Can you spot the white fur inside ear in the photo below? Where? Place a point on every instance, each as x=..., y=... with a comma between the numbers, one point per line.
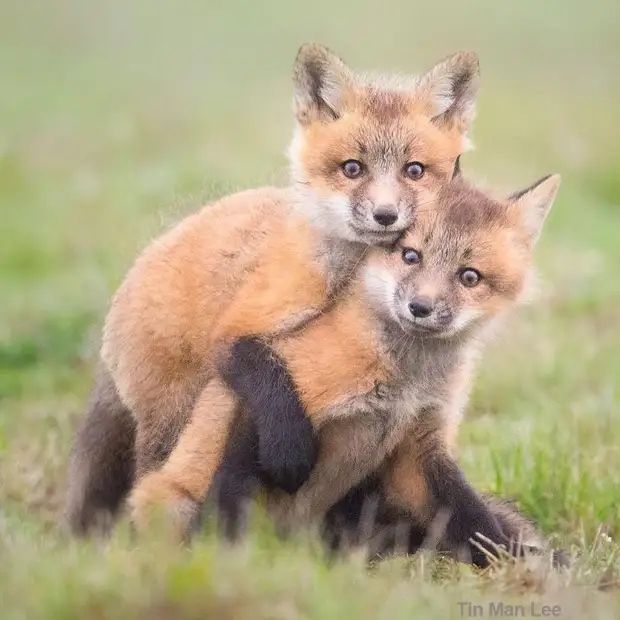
x=442, y=95
x=536, y=202
x=321, y=82
x=332, y=90
x=451, y=87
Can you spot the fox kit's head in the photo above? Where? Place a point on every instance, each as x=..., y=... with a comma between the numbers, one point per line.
x=367, y=152
x=466, y=259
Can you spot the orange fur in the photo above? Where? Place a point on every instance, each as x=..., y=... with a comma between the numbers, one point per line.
x=498, y=239
x=344, y=364
x=181, y=481
x=270, y=260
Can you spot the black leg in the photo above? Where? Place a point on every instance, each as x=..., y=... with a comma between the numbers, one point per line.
x=287, y=444
x=464, y=511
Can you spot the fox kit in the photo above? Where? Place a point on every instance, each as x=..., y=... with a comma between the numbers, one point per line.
x=368, y=153
x=384, y=374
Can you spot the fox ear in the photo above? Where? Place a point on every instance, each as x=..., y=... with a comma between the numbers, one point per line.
x=322, y=83
x=450, y=88
x=535, y=202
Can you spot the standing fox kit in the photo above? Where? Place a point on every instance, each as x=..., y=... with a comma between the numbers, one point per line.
x=383, y=374
x=368, y=154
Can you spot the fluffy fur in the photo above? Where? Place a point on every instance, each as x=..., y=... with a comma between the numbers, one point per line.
x=266, y=261
x=385, y=389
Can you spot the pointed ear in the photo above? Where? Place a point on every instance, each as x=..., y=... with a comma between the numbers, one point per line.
x=322, y=84
x=450, y=88
x=535, y=202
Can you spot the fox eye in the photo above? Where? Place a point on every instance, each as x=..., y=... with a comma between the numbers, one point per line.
x=352, y=168
x=411, y=257
x=414, y=170
x=469, y=277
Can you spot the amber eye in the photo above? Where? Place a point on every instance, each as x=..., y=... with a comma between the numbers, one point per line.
x=411, y=257
x=352, y=168
x=469, y=277
x=414, y=170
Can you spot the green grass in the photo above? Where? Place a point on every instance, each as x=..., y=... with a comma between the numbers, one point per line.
x=119, y=118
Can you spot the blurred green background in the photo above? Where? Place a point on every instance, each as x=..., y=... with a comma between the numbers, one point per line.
x=117, y=118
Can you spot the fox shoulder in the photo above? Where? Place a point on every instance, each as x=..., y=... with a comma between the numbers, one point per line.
x=246, y=251
x=183, y=279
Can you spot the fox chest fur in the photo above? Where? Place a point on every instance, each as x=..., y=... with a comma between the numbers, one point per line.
x=364, y=383
x=350, y=363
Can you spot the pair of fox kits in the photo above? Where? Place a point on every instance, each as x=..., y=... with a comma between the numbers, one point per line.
x=318, y=340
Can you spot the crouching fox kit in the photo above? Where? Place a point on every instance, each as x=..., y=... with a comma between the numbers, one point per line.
x=384, y=373
x=368, y=153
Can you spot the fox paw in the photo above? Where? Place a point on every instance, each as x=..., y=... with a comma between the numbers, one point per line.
x=156, y=498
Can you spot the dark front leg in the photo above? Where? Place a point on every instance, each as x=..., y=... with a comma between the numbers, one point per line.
x=287, y=444
x=460, y=513
x=366, y=517
x=422, y=479
x=437, y=508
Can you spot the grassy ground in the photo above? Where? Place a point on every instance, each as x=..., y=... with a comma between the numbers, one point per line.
x=117, y=118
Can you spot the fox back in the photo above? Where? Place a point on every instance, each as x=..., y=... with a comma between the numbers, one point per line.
x=265, y=261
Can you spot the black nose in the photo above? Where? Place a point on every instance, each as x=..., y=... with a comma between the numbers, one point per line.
x=420, y=307
x=386, y=215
